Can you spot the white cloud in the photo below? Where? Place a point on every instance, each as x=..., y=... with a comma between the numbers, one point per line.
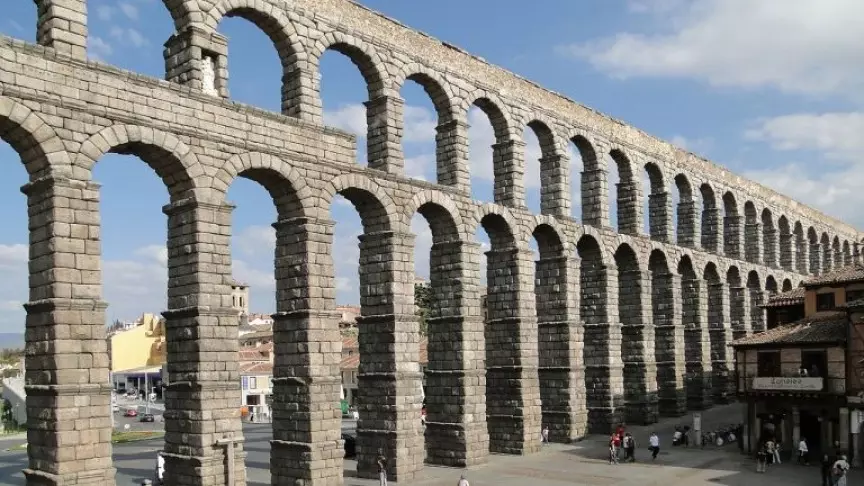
x=129, y=10
x=98, y=48
x=350, y=118
x=798, y=46
x=154, y=253
x=837, y=135
x=422, y=167
x=420, y=124
x=13, y=286
x=256, y=278
x=13, y=256
x=257, y=241
x=129, y=36
x=15, y=25
x=105, y=12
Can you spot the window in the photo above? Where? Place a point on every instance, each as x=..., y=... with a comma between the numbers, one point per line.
x=825, y=301
x=854, y=295
x=815, y=362
x=768, y=363
x=253, y=383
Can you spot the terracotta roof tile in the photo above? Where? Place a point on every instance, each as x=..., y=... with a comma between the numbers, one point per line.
x=256, y=368
x=819, y=328
x=790, y=297
x=352, y=362
x=849, y=273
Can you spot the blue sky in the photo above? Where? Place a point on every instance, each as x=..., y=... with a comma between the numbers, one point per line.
x=770, y=89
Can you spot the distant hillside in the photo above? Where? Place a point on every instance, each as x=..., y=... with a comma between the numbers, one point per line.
x=11, y=340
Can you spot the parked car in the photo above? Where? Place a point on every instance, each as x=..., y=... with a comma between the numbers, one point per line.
x=350, y=445
x=148, y=417
x=130, y=413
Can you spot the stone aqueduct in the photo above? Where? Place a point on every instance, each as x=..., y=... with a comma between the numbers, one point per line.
x=656, y=310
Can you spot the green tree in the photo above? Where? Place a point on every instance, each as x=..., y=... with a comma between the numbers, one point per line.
x=425, y=304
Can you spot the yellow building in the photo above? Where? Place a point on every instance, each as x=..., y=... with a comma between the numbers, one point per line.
x=142, y=346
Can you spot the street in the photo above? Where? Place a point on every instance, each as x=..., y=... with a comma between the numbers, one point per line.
x=582, y=463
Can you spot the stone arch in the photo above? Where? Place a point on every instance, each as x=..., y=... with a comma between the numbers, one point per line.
x=276, y=24
x=711, y=229
x=496, y=110
x=719, y=331
x=599, y=316
x=504, y=224
x=41, y=151
x=554, y=170
x=787, y=285
x=172, y=160
x=738, y=309
x=731, y=226
x=628, y=193
x=669, y=337
x=285, y=184
x=435, y=86
x=801, y=249
x=359, y=52
x=757, y=299
x=183, y=13
x=837, y=251
x=773, y=241
x=377, y=211
x=659, y=204
x=592, y=181
x=847, y=253
x=698, y=362
x=446, y=214
x=753, y=236
x=687, y=231
x=827, y=257
x=640, y=368
x=771, y=284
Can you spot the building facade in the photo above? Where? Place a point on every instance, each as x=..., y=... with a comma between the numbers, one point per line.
x=794, y=378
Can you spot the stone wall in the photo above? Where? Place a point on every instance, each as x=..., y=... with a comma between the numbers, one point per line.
x=592, y=334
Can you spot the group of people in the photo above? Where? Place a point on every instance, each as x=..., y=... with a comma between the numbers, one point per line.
x=622, y=439
x=834, y=467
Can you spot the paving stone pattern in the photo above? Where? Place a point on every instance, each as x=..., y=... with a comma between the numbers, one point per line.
x=610, y=324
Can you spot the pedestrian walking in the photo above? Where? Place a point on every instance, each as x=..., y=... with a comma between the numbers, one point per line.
x=655, y=445
x=827, y=464
x=382, y=468
x=841, y=467
x=545, y=434
x=802, y=452
x=761, y=459
x=613, y=449
x=463, y=481
x=776, y=451
x=629, y=447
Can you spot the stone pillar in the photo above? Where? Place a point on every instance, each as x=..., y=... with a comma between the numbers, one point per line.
x=509, y=168
x=732, y=236
x=68, y=395
x=697, y=343
x=203, y=391
x=856, y=253
x=771, y=247
x=560, y=337
x=451, y=148
x=456, y=433
x=301, y=96
x=788, y=251
x=512, y=383
x=711, y=230
x=827, y=260
x=637, y=348
x=187, y=55
x=62, y=26
x=796, y=427
x=815, y=259
x=555, y=186
x=739, y=312
x=384, y=134
x=306, y=448
x=669, y=348
x=721, y=336
x=660, y=216
x=758, y=318
x=604, y=370
x=753, y=243
x=595, y=203
x=630, y=220
x=389, y=379
x=688, y=227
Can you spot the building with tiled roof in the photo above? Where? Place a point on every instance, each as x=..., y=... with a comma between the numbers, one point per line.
x=805, y=374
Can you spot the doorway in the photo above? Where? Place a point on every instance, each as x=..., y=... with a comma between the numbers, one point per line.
x=811, y=430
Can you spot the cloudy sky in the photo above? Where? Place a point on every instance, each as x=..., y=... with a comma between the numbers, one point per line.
x=771, y=89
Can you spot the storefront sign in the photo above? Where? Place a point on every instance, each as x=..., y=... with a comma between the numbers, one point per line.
x=796, y=384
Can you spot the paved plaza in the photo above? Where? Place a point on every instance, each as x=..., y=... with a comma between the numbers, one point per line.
x=583, y=463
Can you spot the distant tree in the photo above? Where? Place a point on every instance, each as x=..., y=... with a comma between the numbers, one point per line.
x=425, y=304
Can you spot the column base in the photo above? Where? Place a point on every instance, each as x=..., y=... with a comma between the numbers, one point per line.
x=565, y=426
x=406, y=448
x=603, y=420
x=507, y=435
x=456, y=444
x=101, y=477
x=182, y=470
x=296, y=463
x=642, y=413
x=673, y=406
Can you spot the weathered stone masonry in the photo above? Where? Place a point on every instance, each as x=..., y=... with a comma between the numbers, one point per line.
x=610, y=324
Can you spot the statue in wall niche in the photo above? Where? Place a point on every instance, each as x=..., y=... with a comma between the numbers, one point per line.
x=208, y=76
